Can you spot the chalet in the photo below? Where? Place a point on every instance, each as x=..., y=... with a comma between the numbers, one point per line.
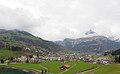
x=65, y=67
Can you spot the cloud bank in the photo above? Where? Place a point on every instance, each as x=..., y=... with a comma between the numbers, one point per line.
x=59, y=19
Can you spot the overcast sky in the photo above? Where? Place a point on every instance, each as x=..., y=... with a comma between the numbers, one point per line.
x=59, y=19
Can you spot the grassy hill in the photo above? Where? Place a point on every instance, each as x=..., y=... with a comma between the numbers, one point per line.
x=17, y=40
x=6, y=53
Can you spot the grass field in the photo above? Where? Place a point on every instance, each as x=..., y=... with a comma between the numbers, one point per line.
x=6, y=53
x=106, y=69
x=53, y=67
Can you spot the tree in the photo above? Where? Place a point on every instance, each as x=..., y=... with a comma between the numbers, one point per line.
x=27, y=61
x=117, y=59
x=2, y=61
x=62, y=60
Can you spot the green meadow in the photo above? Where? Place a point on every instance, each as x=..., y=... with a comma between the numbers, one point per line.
x=5, y=53
x=75, y=67
x=106, y=69
x=53, y=67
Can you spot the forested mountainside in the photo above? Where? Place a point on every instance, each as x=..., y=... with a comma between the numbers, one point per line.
x=17, y=40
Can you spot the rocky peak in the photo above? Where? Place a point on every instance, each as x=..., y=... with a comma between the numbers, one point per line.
x=90, y=32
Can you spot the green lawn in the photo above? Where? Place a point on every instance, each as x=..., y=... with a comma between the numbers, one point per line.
x=107, y=69
x=53, y=66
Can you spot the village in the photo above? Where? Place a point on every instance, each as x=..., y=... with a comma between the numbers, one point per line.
x=57, y=57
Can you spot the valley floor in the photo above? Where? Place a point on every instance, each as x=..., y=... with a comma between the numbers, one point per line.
x=106, y=69
x=75, y=67
x=53, y=67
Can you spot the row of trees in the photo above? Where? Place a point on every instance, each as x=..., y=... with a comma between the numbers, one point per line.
x=117, y=59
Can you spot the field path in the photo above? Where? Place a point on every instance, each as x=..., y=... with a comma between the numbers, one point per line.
x=67, y=70
x=86, y=71
x=43, y=67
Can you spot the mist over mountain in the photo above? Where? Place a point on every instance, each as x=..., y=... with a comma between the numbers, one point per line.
x=90, y=43
x=17, y=40
x=90, y=32
x=59, y=19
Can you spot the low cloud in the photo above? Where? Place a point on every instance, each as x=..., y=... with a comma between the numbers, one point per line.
x=59, y=19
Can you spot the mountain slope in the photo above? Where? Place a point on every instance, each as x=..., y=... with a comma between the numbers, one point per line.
x=97, y=44
x=17, y=40
x=116, y=52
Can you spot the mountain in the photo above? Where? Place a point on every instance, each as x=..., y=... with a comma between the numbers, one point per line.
x=17, y=40
x=116, y=52
x=90, y=32
x=94, y=43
